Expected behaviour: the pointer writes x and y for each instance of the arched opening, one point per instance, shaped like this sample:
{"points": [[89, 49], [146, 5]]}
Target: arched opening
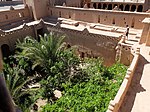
{"points": [[133, 22], [113, 22], [88, 5], [115, 5], [99, 6], [110, 7], [121, 7], [140, 8], [104, 6], [40, 32], [133, 8], [127, 7], [94, 5], [5, 50]]}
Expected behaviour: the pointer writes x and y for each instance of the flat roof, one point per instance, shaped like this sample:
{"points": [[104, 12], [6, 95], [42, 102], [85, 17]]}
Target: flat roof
{"points": [[6, 8], [123, 1]]}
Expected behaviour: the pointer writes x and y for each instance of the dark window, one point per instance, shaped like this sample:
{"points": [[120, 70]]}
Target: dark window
{"points": [[133, 21], [113, 22], [59, 14], [99, 19]]}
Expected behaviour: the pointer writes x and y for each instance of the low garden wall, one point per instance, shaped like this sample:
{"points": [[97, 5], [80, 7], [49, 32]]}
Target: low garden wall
{"points": [[116, 103]]}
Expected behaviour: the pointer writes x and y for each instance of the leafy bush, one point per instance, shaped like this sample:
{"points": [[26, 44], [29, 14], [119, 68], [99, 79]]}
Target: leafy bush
{"points": [[86, 86], [58, 62], [93, 93], [64, 69]]}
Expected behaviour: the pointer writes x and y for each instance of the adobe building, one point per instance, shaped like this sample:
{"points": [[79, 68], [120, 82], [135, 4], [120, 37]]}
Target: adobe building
{"points": [[98, 29]]}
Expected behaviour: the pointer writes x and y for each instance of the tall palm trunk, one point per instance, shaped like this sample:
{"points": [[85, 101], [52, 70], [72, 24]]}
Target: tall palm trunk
{"points": [[6, 103]]}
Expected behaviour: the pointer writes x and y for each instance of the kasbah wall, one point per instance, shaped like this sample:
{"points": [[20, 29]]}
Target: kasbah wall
{"points": [[93, 45], [36, 9], [107, 17]]}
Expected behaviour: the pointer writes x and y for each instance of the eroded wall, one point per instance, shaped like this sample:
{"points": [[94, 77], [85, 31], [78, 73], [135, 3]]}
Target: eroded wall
{"points": [[100, 45]]}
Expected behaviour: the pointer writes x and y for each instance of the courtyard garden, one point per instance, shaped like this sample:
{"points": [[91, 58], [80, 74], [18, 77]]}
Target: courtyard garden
{"points": [[39, 68]]}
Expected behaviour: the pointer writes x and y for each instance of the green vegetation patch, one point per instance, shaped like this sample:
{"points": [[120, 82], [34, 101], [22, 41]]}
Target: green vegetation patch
{"points": [[38, 68], [92, 94]]}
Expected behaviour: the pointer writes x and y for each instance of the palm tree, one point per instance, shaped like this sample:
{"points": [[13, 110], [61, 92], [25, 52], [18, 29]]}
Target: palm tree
{"points": [[43, 53], [15, 80], [17, 83], [50, 53]]}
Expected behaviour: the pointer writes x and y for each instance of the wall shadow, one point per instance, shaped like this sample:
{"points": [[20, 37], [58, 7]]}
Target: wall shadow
{"points": [[135, 87]]}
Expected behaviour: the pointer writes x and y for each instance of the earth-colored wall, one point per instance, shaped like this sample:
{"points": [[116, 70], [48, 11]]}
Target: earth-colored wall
{"points": [[100, 45], [10, 37], [133, 19], [74, 3], [14, 16], [38, 7]]}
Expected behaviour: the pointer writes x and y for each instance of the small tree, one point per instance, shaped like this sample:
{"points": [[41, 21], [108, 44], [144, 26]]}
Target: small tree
{"points": [[50, 53], [43, 53]]}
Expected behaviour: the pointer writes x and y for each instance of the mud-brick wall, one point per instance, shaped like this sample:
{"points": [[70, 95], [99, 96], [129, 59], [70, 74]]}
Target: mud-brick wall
{"points": [[100, 45], [108, 17], [10, 37], [11, 16]]}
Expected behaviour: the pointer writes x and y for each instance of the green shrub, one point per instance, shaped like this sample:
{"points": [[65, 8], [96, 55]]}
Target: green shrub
{"points": [[92, 94]]}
